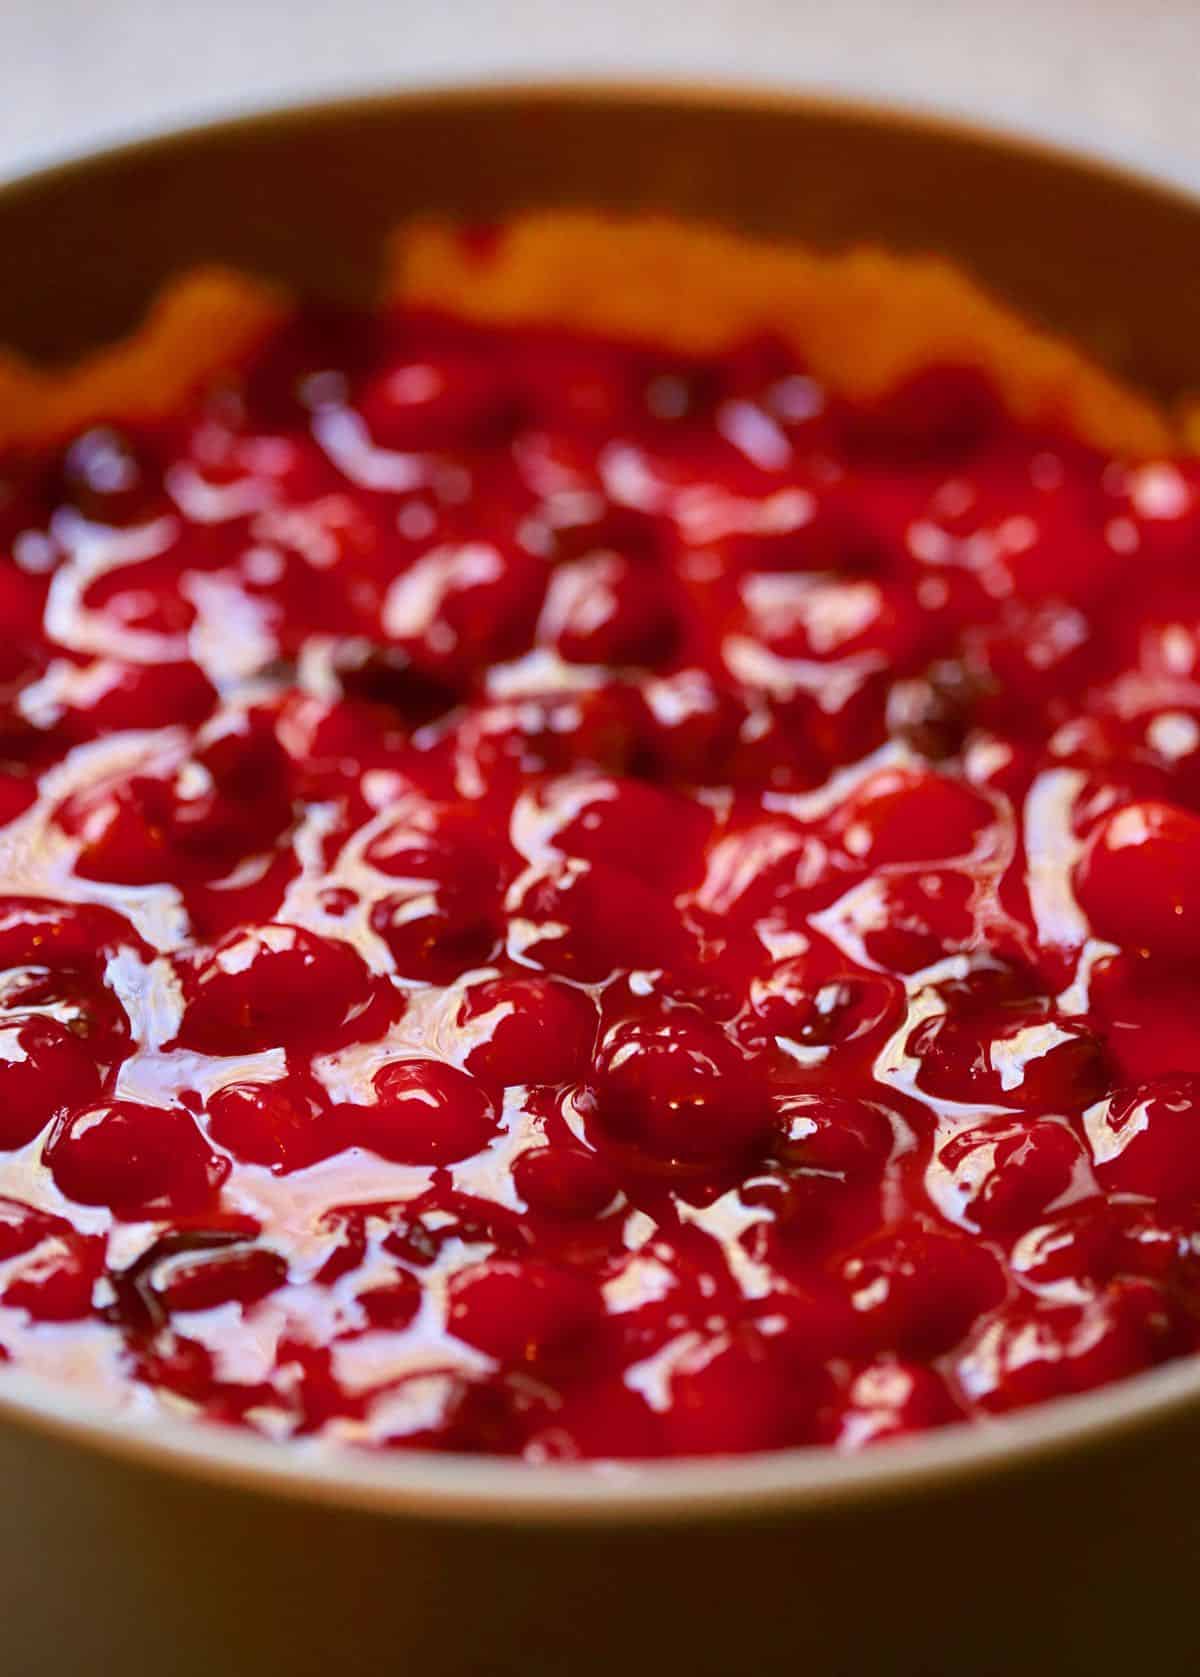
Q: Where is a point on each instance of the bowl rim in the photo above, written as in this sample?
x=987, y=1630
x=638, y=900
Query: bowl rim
x=485, y=1490
x=607, y=92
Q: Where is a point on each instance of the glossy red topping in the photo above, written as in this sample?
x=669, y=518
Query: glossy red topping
x=560, y=901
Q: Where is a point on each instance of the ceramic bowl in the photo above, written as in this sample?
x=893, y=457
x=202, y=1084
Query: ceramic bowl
x=1062, y=1540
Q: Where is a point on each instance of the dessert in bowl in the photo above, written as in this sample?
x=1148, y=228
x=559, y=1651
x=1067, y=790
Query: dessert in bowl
x=598, y=861
x=757, y=1156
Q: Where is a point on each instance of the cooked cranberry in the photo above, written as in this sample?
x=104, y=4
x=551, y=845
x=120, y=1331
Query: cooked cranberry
x=825, y=1010
x=107, y=478
x=263, y=985
x=677, y=1088
x=521, y=1310
x=563, y=1182
x=939, y=413
x=391, y=1305
x=1083, y=1242
x=90, y=1011
x=435, y=936
x=143, y=597
x=169, y=1361
x=1032, y=1352
x=598, y=1418
x=733, y=1393
x=916, y=919
x=890, y=1400
x=445, y=917
x=43, y=1068
x=273, y=1124
x=140, y=1161
x=240, y=750
x=645, y=830
x=54, y=1283
x=909, y=815
x=526, y=1030
x=464, y=605
x=806, y=617
x=691, y=725
x=578, y=385
x=224, y=1278
x=607, y=610
x=37, y=933
x=1147, y=1141
x=1150, y=1015
x=1005, y=1176
x=433, y=400
x=920, y=1292
x=117, y=695
x=1139, y=878
x=123, y=831
x=1008, y=1057
x=425, y=1113
x=587, y=920
x=833, y=1133
x=23, y=1226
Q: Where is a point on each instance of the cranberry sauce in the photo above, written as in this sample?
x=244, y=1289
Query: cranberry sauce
x=563, y=902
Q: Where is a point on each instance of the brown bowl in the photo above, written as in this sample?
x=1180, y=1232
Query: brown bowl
x=1062, y=1540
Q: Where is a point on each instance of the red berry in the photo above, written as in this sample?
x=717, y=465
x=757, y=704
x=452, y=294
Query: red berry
x=526, y=1030
x=225, y=1278
x=647, y=831
x=1147, y=1141
x=432, y=937
x=910, y=921
x=1015, y=1056
x=919, y=1293
x=521, y=1310
x=563, y=1182
x=140, y=1161
x=1005, y=1176
x=464, y=605
x=432, y=401
x=23, y=1226
x=265, y=985
x=119, y=696
x=391, y=1305
x=1150, y=1013
x=843, y=1010
x=425, y=1113
x=910, y=815
x=833, y=1133
x=35, y=932
x=43, y=1068
x=275, y=1124
x=605, y=609
x=733, y=1393
x=54, y=1283
x=888, y=1400
x=1032, y=1352
x=124, y=831
x=1138, y=880
x=676, y=1088
x=587, y=920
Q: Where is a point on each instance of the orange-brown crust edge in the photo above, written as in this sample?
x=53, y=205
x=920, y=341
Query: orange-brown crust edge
x=861, y=319
x=201, y=323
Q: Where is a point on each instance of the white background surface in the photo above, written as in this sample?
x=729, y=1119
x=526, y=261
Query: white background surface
x=1121, y=77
